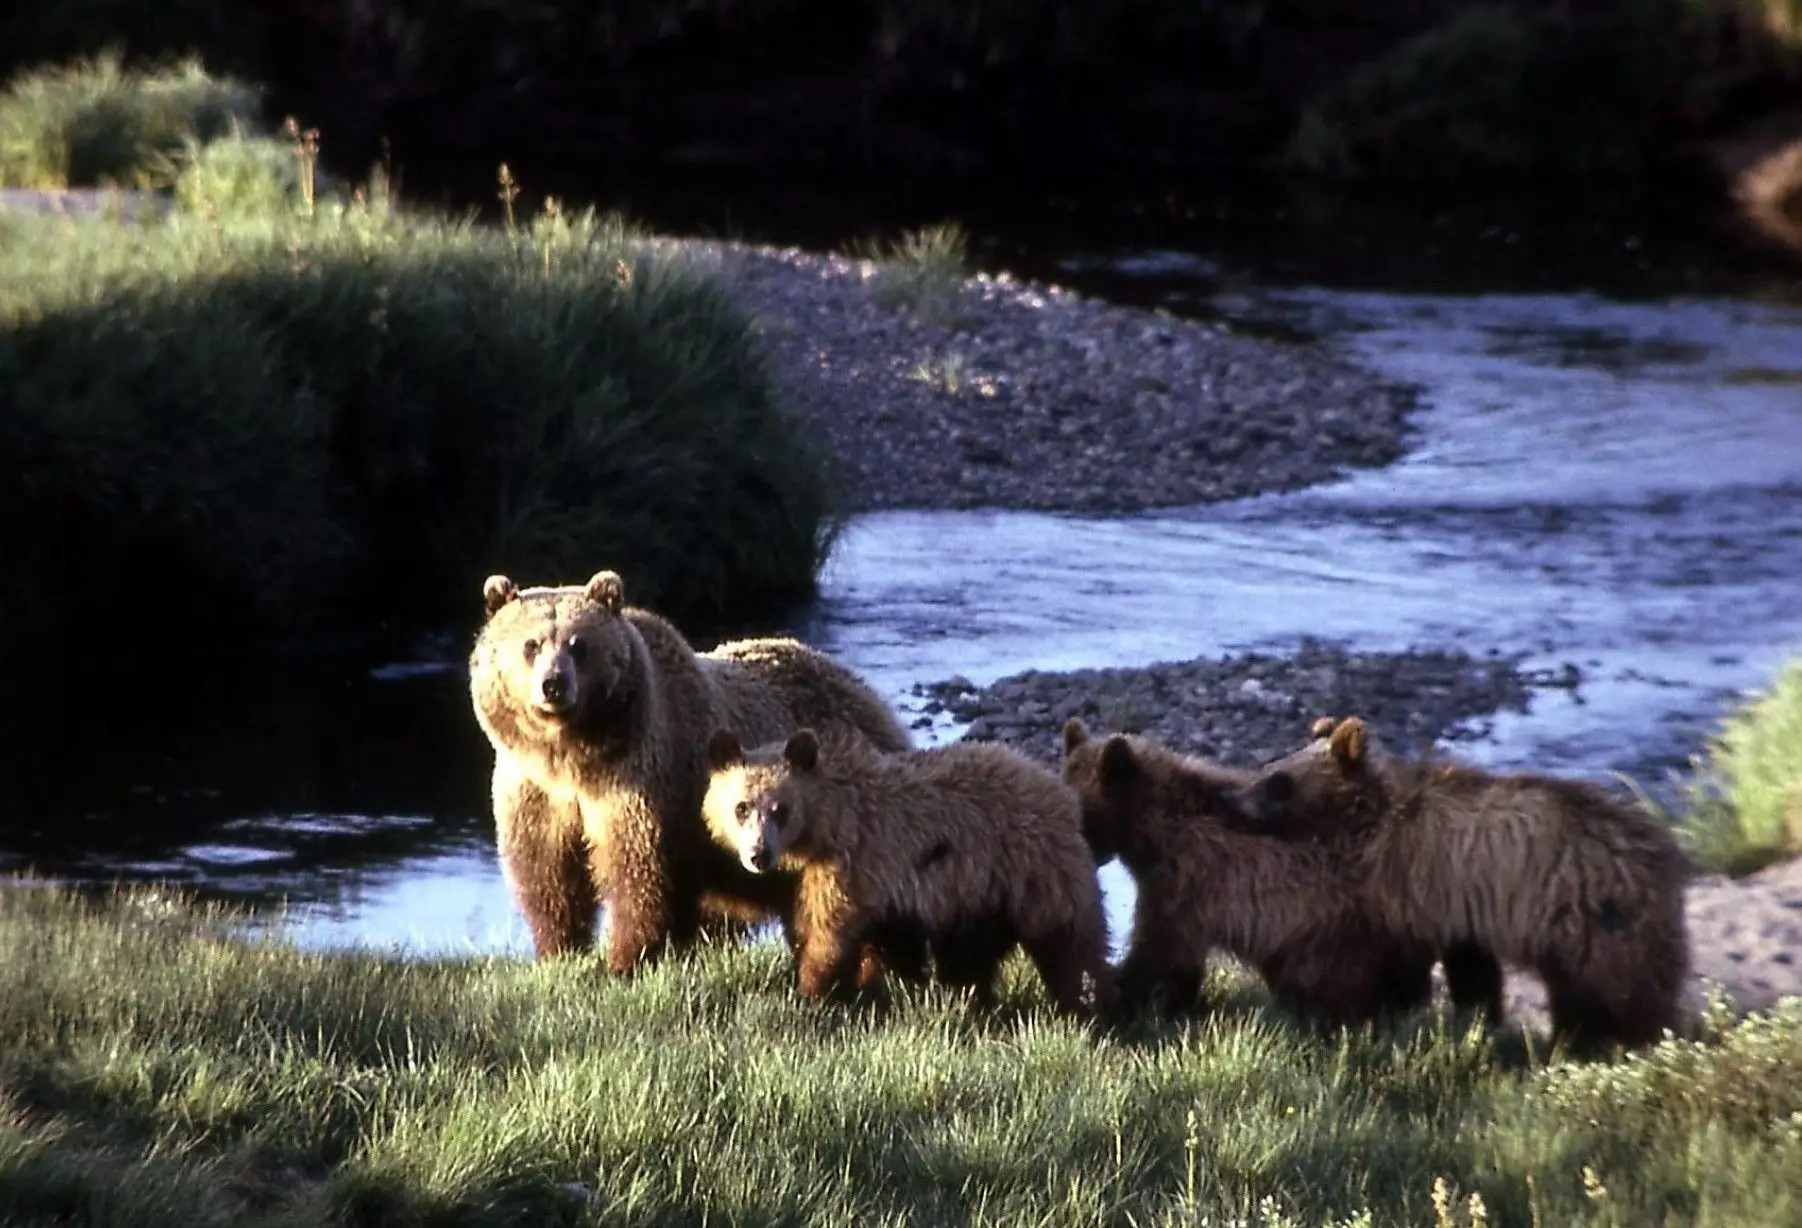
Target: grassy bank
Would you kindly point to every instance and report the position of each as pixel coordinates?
(93, 121)
(247, 424)
(158, 1071)
(1743, 809)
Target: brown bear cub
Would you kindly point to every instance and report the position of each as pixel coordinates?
(599, 715)
(1554, 875)
(1288, 909)
(972, 844)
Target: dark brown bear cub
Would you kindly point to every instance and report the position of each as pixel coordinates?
(1287, 909)
(599, 715)
(1554, 875)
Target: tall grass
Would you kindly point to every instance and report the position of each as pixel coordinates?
(240, 432)
(94, 121)
(1744, 807)
(158, 1070)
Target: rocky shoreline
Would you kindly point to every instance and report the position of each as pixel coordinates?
(1004, 393)
(1247, 709)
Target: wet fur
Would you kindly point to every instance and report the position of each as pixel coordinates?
(1284, 908)
(972, 844)
(603, 804)
(1558, 876)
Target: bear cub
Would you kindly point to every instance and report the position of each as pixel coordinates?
(973, 844)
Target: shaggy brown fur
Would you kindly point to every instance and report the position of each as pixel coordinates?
(973, 843)
(1554, 875)
(1473, 975)
(599, 715)
(1285, 908)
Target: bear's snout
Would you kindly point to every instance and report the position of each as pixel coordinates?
(556, 688)
(760, 854)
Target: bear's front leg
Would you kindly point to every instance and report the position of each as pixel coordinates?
(831, 933)
(544, 860)
(652, 898)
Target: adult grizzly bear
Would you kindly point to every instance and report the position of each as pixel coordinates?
(599, 715)
(1554, 875)
(1288, 909)
(972, 844)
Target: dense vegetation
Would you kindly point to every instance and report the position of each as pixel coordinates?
(1437, 89)
(259, 407)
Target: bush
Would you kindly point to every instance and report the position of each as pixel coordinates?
(294, 424)
(1745, 804)
(94, 122)
(1498, 91)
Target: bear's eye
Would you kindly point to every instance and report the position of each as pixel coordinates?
(779, 813)
(578, 650)
(530, 649)
(742, 811)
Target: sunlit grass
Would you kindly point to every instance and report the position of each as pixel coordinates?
(1743, 809)
(159, 1070)
(94, 122)
(922, 270)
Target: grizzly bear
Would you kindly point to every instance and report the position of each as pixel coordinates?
(1284, 908)
(1473, 975)
(972, 844)
(599, 715)
(1558, 876)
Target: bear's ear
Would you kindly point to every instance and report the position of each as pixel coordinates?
(606, 590)
(723, 750)
(1323, 728)
(1075, 734)
(803, 750)
(1350, 741)
(1119, 767)
(497, 591)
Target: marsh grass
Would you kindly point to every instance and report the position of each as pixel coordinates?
(95, 122)
(1742, 810)
(160, 1070)
(922, 270)
(280, 424)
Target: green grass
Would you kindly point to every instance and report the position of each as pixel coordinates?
(158, 1070)
(276, 424)
(921, 270)
(1743, 810)
(94, 121)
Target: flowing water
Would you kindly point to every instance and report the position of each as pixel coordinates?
(1608, 484)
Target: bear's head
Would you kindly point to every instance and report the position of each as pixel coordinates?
(756, 802)
(1129, 785)
(1328, 786)
(560, 656)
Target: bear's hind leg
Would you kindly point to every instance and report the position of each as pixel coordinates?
(970, 957)
(1071, 958)
(1473, 979)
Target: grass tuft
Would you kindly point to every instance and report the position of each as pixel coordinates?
(922, 270)
(95, 123)
(1744, 808)
(160, 1069)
